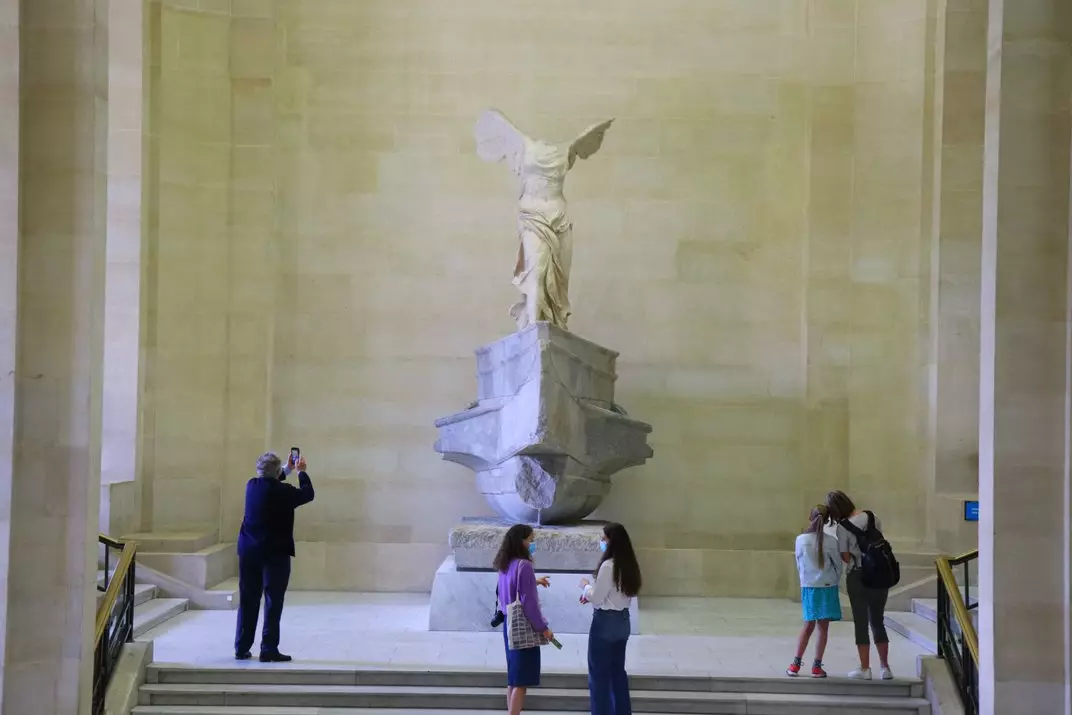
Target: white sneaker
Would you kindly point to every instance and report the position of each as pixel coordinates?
(861, 674)
(887, 674)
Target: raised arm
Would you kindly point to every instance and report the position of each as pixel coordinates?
(302, 494)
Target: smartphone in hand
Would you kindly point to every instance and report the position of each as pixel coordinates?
(295, 455)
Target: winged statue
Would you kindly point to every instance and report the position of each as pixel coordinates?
(545, 232)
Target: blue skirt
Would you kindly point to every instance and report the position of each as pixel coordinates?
(820, 604)
(522, 666)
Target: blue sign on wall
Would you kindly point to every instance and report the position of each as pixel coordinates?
(971, 511)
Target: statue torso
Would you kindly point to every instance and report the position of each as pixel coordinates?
(543, 173)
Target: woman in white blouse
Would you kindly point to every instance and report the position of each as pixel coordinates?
(617, 584)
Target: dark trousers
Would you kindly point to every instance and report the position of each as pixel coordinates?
(608, 683)
(257, 574)
(868, 608)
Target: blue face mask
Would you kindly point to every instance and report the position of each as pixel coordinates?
(532, 547)
(603, 546)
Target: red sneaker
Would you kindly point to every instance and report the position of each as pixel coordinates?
(817, 671)
(793, 670)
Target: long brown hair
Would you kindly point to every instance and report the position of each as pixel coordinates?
(820, 515)
(627, 576)
(513, 547)
(839, 505)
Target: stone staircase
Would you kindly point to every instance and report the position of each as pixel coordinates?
(149, 610)
(173, 689)
(920, 623)
(193, 565)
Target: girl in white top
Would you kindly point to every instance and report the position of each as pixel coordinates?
(617, 584)
(819, 566)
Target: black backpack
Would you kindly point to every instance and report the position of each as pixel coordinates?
(879, 565)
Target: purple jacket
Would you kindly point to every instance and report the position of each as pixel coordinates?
(520, 580)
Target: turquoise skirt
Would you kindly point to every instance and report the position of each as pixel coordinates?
(820, 604)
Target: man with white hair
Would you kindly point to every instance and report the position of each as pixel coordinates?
(265, 547)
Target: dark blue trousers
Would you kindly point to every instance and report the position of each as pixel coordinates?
(608, 683)
(259, 573)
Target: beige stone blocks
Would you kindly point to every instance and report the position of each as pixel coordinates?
(754, 245)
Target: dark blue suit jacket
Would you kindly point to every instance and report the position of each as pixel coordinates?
(268, 526)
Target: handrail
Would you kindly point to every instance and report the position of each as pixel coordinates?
(966, 556)
(110, 596)
(114, 543)
(960, 610)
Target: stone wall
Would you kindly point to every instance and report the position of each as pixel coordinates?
(187, 247)
(327, 252)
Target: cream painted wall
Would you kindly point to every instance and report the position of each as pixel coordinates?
(325, 251)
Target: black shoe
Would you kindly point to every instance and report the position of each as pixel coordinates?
(245, 655)
(276, 657)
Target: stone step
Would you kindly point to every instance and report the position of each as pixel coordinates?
(142, 592)
(222, 596)
(351, 696)
(175, 542)
(224, 710)
(918, 629)
(100, 575)
(926, 608)
(152, 613)
(201, 568)
(298, 674)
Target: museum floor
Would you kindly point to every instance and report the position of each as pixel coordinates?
(680, 636)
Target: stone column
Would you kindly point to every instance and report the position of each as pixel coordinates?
(50, 492)
(954, 178)
(9, 250)
(1025, 357)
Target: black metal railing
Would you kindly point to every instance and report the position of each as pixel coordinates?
(957, 642)
(115, 617)
(109, 545)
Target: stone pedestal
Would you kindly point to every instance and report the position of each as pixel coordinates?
(463, 592)
(558, 548)
(544, 435)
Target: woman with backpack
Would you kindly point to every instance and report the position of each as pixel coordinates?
(872, 571)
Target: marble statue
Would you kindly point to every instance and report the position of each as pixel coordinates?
(545, 240)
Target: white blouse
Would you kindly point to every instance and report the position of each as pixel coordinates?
(604, 594)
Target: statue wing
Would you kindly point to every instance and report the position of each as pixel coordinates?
(497, 139)
(589, 141)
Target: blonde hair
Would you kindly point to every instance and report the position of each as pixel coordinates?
(820, 515)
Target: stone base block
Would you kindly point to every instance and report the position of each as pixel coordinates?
(465, 601)
(558, 548)
(544, 435)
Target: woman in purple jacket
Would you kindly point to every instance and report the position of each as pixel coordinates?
(517, 578)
